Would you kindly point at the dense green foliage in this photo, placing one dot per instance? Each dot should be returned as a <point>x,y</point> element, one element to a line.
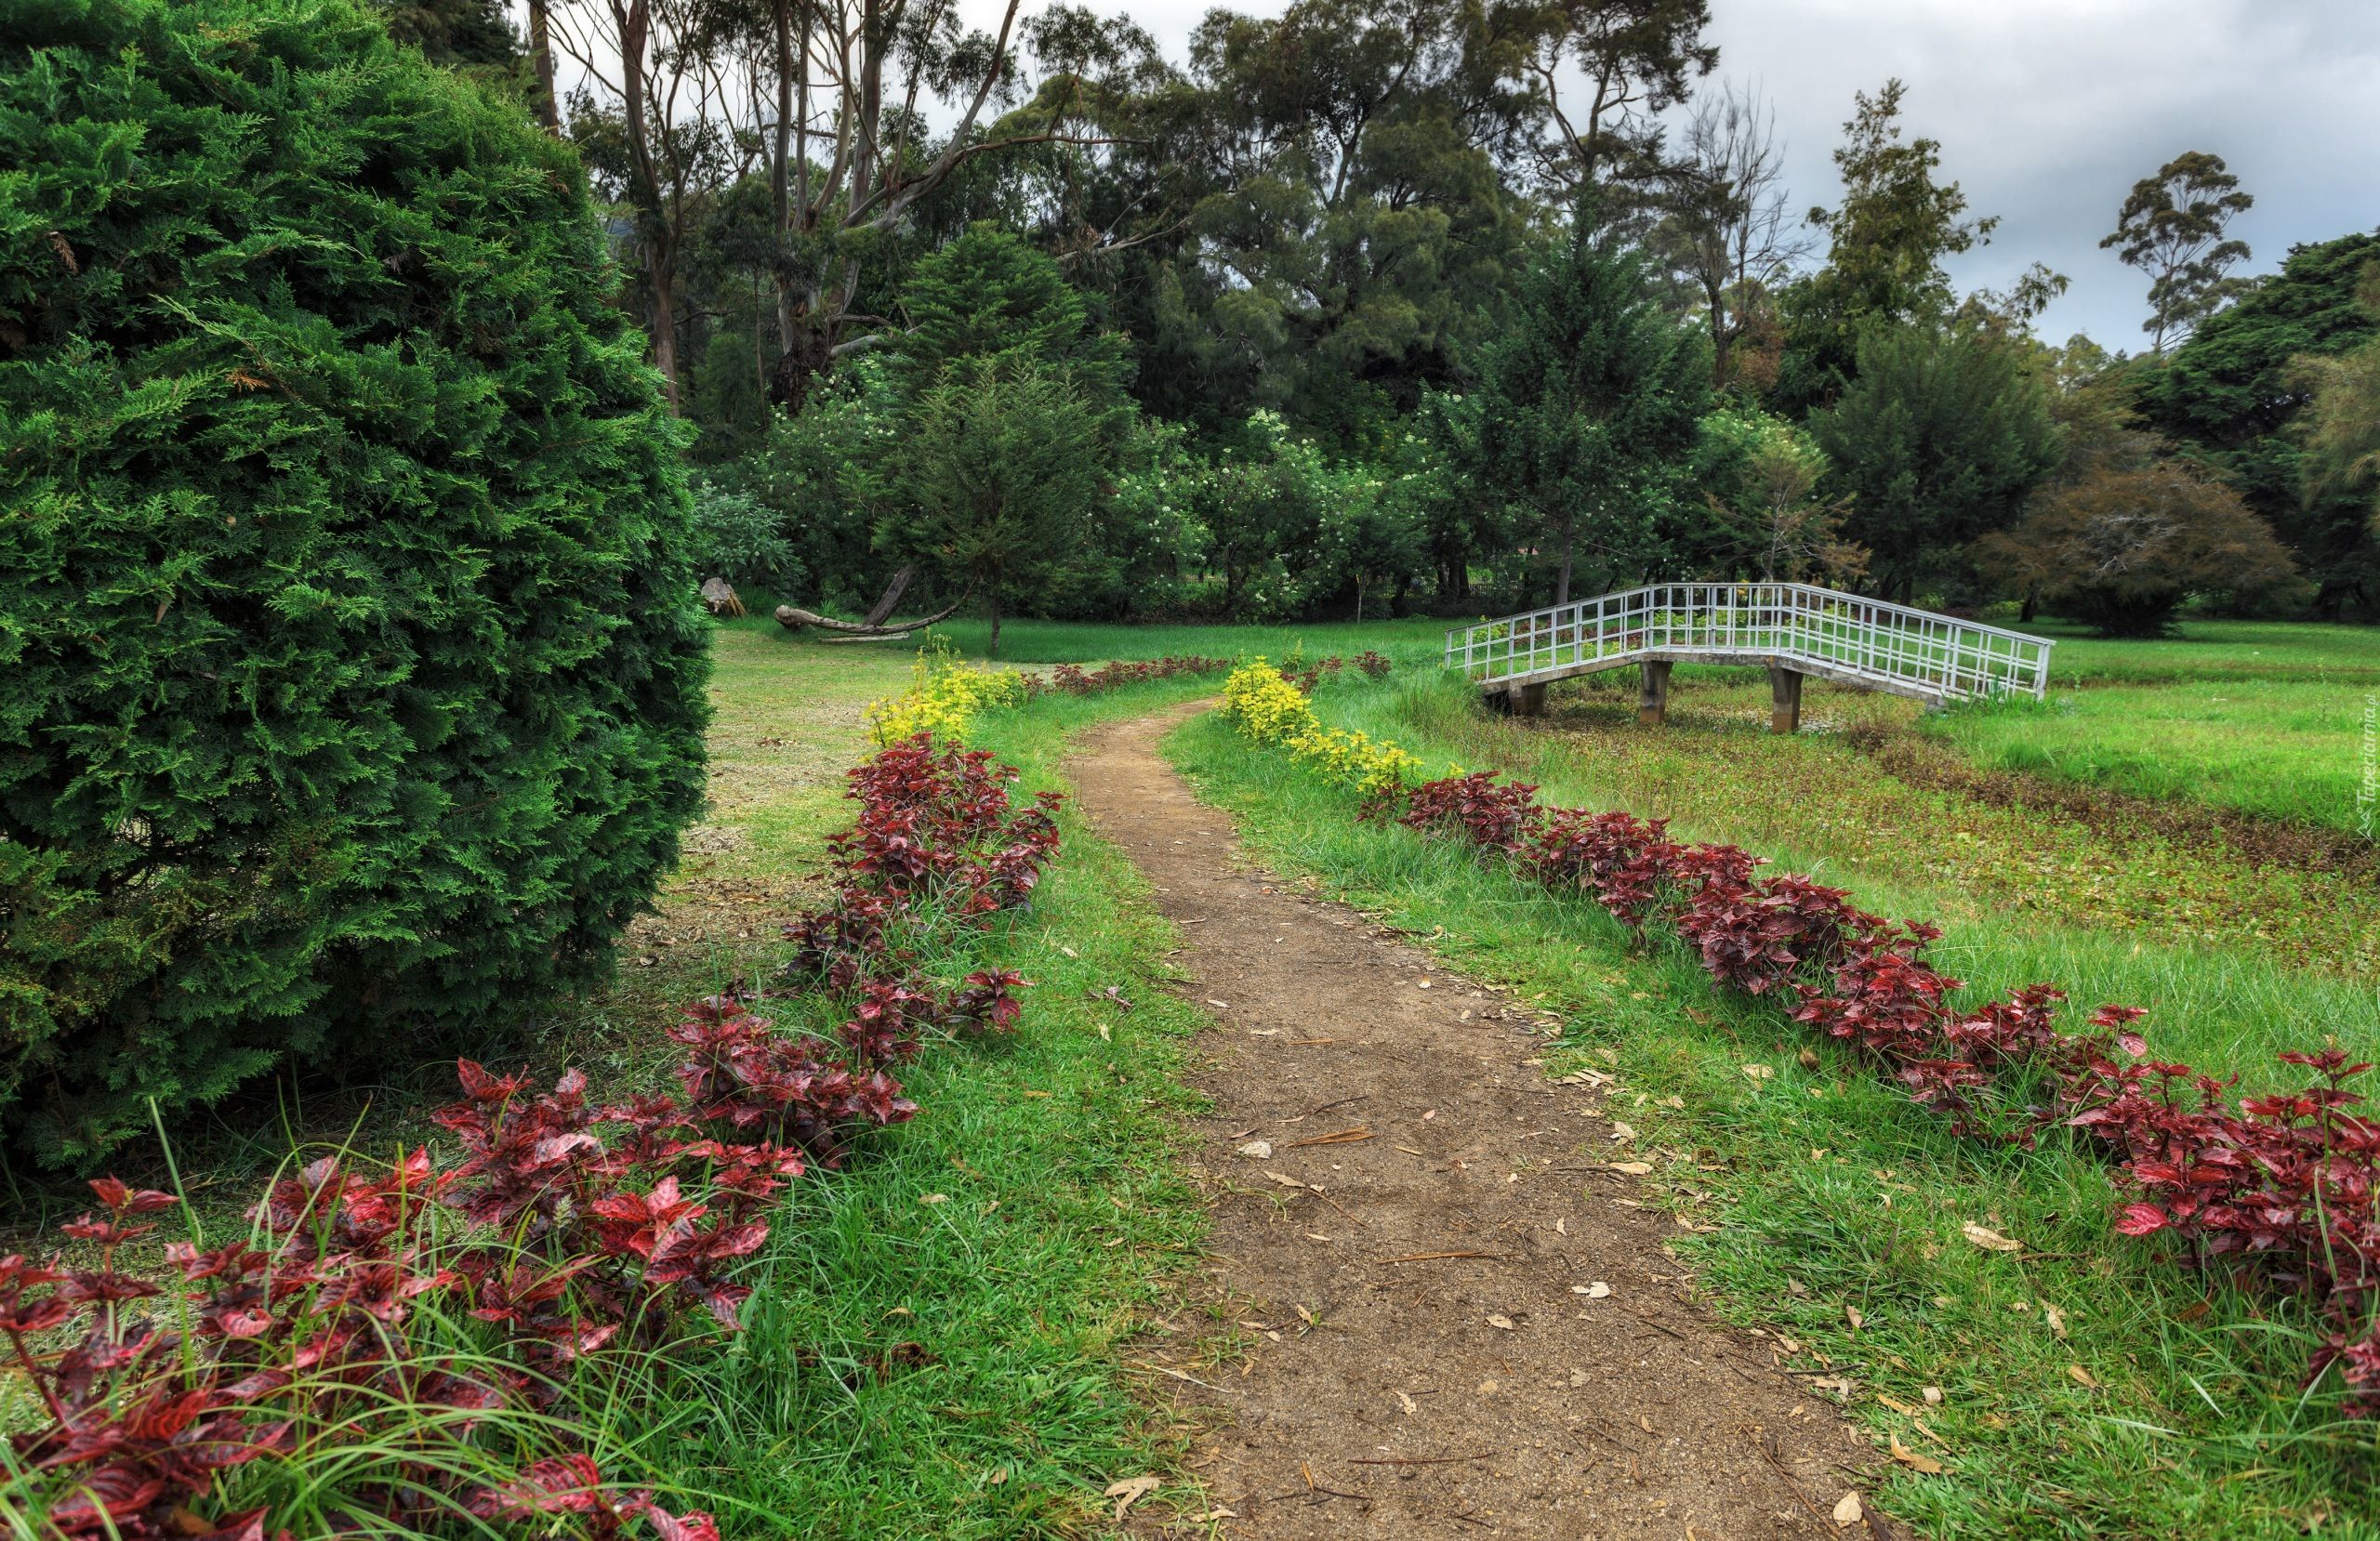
<point>1002,471</point>
<point>2343,418</point>
<point>1587,409</point>
<point>1887,243</point>
<point>1936,441</point>
<point>989,295</point>
<point>2233,394</point>
<point>352,687</point>
<point>1317,227</point>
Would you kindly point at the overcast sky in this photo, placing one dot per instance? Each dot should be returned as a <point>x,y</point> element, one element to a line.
<point>2049,110</point>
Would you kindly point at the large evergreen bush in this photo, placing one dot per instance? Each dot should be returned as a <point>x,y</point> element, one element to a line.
<point>351,685</point>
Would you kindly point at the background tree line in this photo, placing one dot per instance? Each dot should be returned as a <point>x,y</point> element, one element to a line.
<point>1396,305</point>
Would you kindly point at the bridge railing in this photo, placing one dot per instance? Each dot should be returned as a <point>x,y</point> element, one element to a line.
<point>1845,634</point>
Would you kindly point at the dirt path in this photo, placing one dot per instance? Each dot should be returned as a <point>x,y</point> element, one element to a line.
<point>1462,1324</point>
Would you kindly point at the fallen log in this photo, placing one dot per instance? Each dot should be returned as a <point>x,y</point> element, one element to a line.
<point>793,618</point>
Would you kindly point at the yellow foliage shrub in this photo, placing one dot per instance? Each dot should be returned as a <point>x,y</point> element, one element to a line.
<point>1267,708</point>
<point>943,697</point>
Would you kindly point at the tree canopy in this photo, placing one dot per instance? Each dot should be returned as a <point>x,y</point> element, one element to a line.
<point>2234,393</point>
<point>1588,406</point>
<point>2172,228</point>
<point>1887,241</point>
<point>1939,437</point>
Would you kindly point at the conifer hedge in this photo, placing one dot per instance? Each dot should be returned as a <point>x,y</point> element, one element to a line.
<point>350,678</point>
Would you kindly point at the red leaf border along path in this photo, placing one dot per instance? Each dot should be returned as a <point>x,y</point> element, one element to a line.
<point>571,1226</point>
<point>2284,1183</point>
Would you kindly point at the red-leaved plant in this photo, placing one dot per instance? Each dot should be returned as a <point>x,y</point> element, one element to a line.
<point>572,1227</point>
<point>2285,1182</point>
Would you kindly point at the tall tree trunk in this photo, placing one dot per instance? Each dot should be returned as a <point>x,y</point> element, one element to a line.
<point>541,57</point>
<point>664,334</point>
<point>780,189</point>
<point>760,354</point>
<point>635,21</point>
<point>1569,542</point>
<point>874,43</point>
<point>994,647</point>
<point>1719,338</point>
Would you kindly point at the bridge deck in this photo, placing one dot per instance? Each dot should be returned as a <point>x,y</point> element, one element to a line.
<point>1795,629</point>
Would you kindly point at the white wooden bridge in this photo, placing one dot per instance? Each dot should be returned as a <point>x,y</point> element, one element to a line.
<point>1797,630</point>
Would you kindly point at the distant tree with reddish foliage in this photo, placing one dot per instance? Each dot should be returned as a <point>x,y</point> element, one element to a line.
<point>2122,549</point>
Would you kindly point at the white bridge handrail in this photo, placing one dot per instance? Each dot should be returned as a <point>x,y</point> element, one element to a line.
<point>1838,636</point>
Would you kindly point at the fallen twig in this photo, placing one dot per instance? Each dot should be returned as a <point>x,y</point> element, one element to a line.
<point>1336,1137</point>
<point>1651,1323</point>
<point>1778,1466</point>
<point>1141,1364</point>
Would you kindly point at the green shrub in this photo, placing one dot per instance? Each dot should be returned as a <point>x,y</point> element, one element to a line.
<point>739,539</point>
<point>350,681</point>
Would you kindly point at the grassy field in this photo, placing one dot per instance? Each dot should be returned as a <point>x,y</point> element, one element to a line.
<point>939,1342</point>
<point>1816,1189</point>
<point>2260,717</point>
<point>2264,719</point>
<point>2200,651</point>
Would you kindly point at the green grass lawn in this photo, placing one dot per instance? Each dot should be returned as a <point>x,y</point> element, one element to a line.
<point>2284,748</point>
<point>2259,718</point>
<point>1824,1190</point>
<point>2215,650</point>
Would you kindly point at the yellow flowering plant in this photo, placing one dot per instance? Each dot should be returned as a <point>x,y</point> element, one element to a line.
<point>943,697</point>
<point>1267,708</point>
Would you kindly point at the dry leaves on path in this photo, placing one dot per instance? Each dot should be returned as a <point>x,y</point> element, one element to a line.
<point>1129,1492</point>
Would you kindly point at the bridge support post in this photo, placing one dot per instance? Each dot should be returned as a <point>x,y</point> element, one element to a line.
<point>1528,700</point>
<point>1784,700</point>
<point>1653,698</point>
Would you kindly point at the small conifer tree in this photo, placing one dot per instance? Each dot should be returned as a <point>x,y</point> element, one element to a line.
<point>1588,406</point>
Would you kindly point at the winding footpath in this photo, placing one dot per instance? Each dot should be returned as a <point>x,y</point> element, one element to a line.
<point>1461,1321</point>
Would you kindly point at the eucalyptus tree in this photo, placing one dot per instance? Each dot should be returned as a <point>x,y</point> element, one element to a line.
<point>2172,228</point>
<point>834,102</point>
<point>1633,61</point>
<point>1727,228</point>
<point>1365,161</point>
